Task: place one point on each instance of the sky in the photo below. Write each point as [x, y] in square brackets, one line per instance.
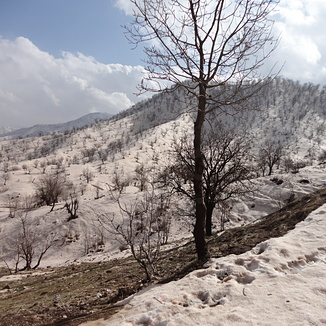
[62, 59]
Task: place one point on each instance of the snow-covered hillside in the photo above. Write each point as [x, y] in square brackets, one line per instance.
[279, 282]
[108, 167]
[92, 160]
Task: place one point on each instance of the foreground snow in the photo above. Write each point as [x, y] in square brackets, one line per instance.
[280, 282]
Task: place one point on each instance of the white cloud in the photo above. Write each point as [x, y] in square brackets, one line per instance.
[303, 41]
[125, 5]
[35, 87]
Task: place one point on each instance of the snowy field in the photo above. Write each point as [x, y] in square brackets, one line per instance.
[280, 282]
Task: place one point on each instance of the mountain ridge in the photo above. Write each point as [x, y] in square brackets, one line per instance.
[45, 129]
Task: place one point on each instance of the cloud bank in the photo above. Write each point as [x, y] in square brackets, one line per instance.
[35, 87]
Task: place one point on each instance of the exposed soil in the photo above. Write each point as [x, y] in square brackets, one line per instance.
[74, 294]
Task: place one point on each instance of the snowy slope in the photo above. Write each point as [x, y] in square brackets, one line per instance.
[279, 282]
[143, 136]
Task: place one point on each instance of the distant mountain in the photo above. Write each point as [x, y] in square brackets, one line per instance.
[5, 130]
[45, 129]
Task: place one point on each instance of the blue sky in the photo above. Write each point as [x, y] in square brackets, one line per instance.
[90, 27]
[61, 59]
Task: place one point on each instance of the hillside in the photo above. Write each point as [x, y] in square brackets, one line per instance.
[111, 168]
[95, 288]
[39, 130]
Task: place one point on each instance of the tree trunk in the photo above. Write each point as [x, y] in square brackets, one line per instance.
[200, 214]
[209, 213]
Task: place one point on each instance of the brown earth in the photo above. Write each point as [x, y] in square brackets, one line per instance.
[75, 294]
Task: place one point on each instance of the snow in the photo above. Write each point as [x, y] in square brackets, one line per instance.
[279, 282]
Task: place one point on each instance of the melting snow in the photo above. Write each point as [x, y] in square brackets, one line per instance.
[279, 282]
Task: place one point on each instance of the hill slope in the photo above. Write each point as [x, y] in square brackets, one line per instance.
[111, 165]
[39, 130]
[121, 276]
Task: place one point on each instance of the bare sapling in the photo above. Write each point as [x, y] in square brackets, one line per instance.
[72, 206]
[143, 226]
[28, 245]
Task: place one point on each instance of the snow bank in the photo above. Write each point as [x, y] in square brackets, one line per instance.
[279, 282]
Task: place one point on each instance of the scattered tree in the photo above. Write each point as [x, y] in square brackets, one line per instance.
[141, 176]
[29, 244]
[269, 155]
[144, 228]
[49, 188]
[72, 207]
[88, 174]
[5, 177]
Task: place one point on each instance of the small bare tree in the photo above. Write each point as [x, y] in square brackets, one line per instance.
[88, 174]
[141, 176]
[210, 44]
[269, 155]
[119, 181]
[49, 188]
[144, 228]
[28, 244]
[72, 206]
[13, 205]
[5, 177]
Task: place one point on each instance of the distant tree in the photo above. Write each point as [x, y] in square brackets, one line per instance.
[119, 181]
[288, 164]
[5, 167]
[88, 174]
[5, 177]
[43, 166]
[49, 188]
[270, 154]
[141, 176]
[89, 153]
[210, 44]
[72, 206]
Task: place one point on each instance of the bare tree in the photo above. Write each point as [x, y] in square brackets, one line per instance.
[226, 169]
[88, 174]
[13, 205]
[141, 176]
[49, 188]
[29, 244]
[119, 181]
[144, 227]
[211, 44]
[5, 177]
[72, 206]
[269, 155]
